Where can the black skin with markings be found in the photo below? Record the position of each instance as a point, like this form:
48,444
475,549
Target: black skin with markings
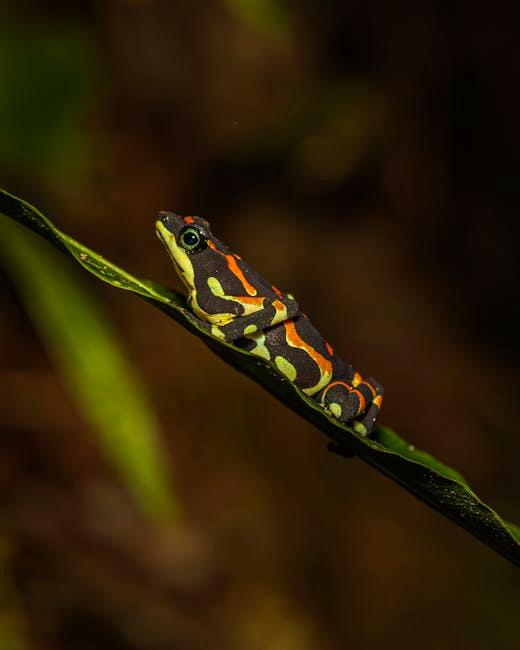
237,304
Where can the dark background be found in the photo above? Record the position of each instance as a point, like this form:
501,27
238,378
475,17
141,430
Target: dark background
361,155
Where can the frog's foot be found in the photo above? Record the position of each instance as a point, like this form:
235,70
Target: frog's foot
366,423
358,402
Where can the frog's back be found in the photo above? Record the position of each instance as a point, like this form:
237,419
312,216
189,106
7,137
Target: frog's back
298,349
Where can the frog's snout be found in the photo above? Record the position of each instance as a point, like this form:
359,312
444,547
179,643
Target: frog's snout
167,219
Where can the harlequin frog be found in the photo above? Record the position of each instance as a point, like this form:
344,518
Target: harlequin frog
236,304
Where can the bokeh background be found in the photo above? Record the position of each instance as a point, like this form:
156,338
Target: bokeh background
363,156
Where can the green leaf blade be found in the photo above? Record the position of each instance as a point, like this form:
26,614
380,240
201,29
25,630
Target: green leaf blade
436,484
88,354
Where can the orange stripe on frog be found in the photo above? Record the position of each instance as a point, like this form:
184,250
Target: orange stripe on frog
235,269
330,349
369,386
362,402
378,401
277,291
249,301
295,341
358,380
361,398
189,219
337,383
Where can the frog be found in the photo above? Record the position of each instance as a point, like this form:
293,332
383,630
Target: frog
232,301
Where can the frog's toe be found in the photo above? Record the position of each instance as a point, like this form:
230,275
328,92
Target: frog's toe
365,425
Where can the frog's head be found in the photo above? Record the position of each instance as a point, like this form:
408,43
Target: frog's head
190,244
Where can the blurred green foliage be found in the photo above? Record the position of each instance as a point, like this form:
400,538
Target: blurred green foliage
268,16
46,84
89,355
47,91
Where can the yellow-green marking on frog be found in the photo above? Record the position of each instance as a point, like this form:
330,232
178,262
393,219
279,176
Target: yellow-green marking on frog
260,348
215,287
335,409
286,367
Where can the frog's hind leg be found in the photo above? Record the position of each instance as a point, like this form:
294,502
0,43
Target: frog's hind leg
365,424
358,401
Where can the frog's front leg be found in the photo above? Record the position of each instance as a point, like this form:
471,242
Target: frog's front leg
272,312
203,324
358,401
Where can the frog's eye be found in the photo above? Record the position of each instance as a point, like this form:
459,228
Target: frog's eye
192,240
